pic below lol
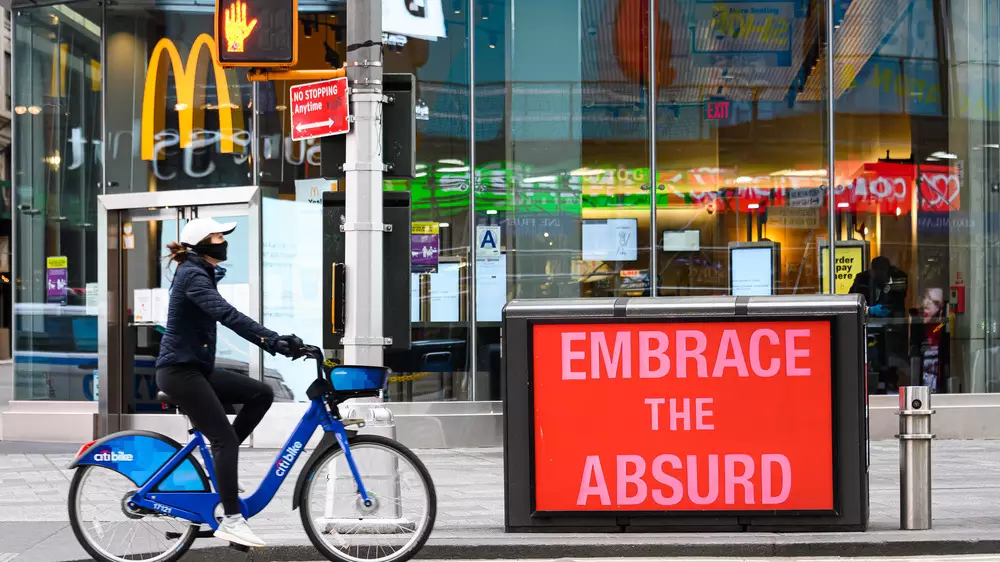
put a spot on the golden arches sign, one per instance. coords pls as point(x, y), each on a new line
point(190, 111)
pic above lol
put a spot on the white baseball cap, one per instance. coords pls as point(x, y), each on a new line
point(199, 229)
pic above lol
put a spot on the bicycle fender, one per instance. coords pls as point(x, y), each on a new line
point(138, 455)
point(327, 442)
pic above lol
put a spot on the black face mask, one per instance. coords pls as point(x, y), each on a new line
point(214, 251)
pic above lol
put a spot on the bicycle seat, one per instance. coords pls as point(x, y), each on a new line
point(162, 397)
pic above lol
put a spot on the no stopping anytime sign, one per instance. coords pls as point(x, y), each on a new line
point(727, 416)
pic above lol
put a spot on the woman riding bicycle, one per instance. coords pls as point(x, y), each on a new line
point(185, 369)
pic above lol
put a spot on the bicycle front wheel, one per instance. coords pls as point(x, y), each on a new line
point(397, 520)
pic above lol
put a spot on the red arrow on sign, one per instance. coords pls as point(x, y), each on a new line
point(320, 109)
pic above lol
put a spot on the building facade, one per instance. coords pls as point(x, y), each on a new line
point(543, 125)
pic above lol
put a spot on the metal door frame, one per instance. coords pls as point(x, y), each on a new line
point(148, 206)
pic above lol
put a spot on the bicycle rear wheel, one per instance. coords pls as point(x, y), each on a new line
point(403, 503)
point(111, 531)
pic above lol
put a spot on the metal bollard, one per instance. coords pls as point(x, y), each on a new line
point(915, 457)
point(381, 481)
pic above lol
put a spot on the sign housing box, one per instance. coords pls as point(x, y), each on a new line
point(399, 132)
point(846, 509)
point(396, 256)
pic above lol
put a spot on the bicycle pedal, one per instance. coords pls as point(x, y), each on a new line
point(239, 547)
point(201, 534)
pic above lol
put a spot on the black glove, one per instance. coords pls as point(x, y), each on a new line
point(289, 346)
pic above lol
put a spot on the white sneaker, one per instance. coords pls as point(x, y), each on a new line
point(234, 528)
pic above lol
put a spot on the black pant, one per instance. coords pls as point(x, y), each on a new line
point(201, 399)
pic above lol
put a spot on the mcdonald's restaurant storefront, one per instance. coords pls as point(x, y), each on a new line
point(557, 158)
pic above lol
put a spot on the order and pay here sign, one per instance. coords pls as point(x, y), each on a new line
point(721, 416)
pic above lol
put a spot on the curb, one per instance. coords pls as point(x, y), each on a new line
point(505, 550)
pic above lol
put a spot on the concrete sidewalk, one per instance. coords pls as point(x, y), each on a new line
point(34, 523)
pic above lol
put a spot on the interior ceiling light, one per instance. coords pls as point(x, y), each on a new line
point(800, 173)
point(451, 161)
point(585, 171)
point(944, 155)
point(540, 179)
point(454, 170)
point(744, 179)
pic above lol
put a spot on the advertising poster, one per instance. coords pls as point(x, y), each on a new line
point(424, 247)
point(56, 279)
point(850, 262)
point(720, 416)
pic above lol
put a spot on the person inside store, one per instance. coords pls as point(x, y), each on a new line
point(185, 368)
point(884, 287)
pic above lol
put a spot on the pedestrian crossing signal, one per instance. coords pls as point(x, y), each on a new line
point(256, 33)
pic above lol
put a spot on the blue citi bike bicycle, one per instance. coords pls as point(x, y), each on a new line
point(161, 499)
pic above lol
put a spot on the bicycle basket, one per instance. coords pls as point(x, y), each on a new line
point(348, 378)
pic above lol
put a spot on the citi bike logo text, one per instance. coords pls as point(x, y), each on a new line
point(285, 461)
point(111, 456)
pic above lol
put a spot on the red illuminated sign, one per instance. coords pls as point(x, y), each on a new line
point(320, 109)
point(236, 27)
point(695, 416)
point(256, 33)
point(717, 109)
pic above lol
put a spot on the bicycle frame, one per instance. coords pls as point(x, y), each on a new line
point(199, 507)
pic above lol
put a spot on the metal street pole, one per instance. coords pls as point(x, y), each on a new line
point(363, 233)
point(363, 339)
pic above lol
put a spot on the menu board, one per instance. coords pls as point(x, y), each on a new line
point(751, 271)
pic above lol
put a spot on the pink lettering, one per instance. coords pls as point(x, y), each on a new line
point(621, 357)
point(654, 404)
point(742, 479)
point(626, 477)
point(676, 488)
point(755, 353)
point(568, 356)
point(701, 412)
point(767, 461)
point(792, 352)
point(730, 355)
point(683, 413)
point(713, 480)
point(592, 471)
point(668, 485)
point(648, 353)
point(697, 352)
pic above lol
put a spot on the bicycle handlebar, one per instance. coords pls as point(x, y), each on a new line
point(313, 352)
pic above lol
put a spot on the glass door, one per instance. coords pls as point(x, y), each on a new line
point(134, 290)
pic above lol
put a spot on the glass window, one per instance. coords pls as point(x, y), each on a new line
point(57, 110)
point(179, 121)
point(741, 174)
point(917, 164)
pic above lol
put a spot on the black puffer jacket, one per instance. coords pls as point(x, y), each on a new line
point(195, 307)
